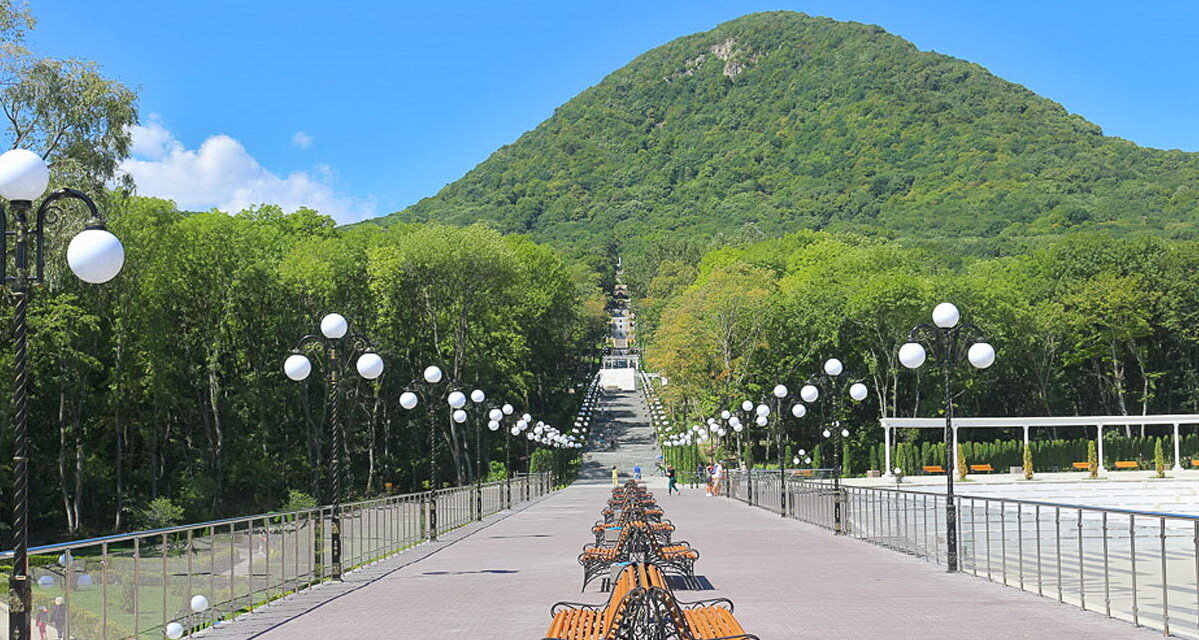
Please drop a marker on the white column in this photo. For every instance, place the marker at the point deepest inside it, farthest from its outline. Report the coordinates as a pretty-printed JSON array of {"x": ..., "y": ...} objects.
[
  {"x": 887, "y": 449},
  {"x": 1025, "y": 436},
  {"x": 1177, "y": 464},
  {"x": 1099, "y": 435}
]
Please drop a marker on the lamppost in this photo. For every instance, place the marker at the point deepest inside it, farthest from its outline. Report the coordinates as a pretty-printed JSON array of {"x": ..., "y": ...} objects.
[
  {"x": 408, "y": 400},
  {"x": 946, "y": 338},
  {"x": 798, "y": 410},
  {"x": 834, "y": 378},
  {"x": 338, "y": 346},
  {"x": 477, "y": 397},
  {"x": 95, "y": 256}
]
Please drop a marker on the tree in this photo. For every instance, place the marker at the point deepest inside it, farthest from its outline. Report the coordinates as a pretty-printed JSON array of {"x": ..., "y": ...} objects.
[
  {"x": 1027, "y": 462},
  {"x": 1092, "y": 460}
]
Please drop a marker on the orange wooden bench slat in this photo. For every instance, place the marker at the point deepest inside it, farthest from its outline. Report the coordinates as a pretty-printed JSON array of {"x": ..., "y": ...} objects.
[
  {"x": 1082, "y": 465},
  {"x": 1127, "y": 464},
  {"x": 933, "y": 468},
  {"x": 981, "y": 467}
]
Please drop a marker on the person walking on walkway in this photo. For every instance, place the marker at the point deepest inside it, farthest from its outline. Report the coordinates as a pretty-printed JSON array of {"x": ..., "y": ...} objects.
[
  {"x": 58, "y": 617},
  {"x": 615, "y": 477},
  {"x": 670, "y": 478},
  {"x": 42, "y": 619},
  {"x": 636, "y": 472},
  {"x": 717, "y": 476}
]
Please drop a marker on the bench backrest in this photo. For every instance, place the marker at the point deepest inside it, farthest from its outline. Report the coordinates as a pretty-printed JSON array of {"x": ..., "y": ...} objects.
[{"x": 620, "y": 599}]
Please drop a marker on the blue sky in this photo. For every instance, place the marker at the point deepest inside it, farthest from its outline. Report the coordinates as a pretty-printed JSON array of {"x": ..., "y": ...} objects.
[{"x": 361, "y": 108}]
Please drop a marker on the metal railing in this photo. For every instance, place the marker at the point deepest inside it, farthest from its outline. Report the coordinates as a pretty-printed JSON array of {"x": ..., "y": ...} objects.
[
  {"x": 1137, "y": 566},
  {"x": 133, "y": 585}
]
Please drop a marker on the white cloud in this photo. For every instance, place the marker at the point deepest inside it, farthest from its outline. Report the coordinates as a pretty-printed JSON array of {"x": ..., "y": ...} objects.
[
  {"x": 151, "y": 140},
  {"x": 302, "y": 140},
  {"x": 222, "y": 174}
]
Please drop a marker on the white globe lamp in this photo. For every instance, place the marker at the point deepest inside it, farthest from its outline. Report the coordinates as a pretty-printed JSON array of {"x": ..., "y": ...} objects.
[
  {"x": 95, "y": 255},
  {"x": 334, "y": 326},
  {"x": 981, "y": 355},
  {"x": 408, "y": 400},
  {"x": 370, "y": 365},
  {"x": 23, "y": 175},
  {"x": 946, "y": 316},
  {"x": 912, "y": 355},
  {"x": 297, "y": 367}
]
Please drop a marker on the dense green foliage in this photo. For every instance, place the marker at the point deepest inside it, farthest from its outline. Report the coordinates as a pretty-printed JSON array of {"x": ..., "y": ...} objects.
[
  {"x": 1083, "y": 326},
  {"x": 779, "y": 121},
  {"x": 168, "y": 382}
]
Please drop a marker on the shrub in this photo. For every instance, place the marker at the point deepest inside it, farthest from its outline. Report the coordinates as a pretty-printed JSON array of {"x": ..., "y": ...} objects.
[
  {"x": 1092, "y": 460},
  {"x": 1159, "y": 459},
  {"x": 1027, "y": 462},
  {"x": 963, "y": 464}
]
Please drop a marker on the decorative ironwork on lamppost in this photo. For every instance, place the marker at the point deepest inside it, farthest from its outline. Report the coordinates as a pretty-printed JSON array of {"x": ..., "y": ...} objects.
[
  {"x": 338, "y": 346},
  {"x": 834, "y": 378},
  {"x": 95, "y": 256},
  {"x": 947, "y": 338}
]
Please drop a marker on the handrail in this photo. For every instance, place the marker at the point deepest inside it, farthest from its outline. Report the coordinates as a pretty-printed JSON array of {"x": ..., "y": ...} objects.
[
  {"x": 1043, "y": 503},
  {"x": 183, "y": 528}
]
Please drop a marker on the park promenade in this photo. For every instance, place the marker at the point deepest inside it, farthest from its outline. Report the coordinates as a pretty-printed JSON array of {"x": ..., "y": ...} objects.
[{"x": 498, "y": 578}]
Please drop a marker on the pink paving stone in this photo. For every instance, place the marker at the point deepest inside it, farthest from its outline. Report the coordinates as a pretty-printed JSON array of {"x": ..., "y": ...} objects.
[{"x": 787, "y": 579}]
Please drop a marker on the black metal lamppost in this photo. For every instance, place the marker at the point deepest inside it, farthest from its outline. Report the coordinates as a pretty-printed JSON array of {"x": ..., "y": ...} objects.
[
  {"x": 408, "y": 400},
  {"x": 95, "y": 256},
  {"x": 798, "y": 410},
  {"x": 950, "y": 342},
  {"x": 521, "y": 426},
  {"x": 494, "y": 415},
  {"x": 338, "y": 346},
  {"x": 834, "y": 379}
]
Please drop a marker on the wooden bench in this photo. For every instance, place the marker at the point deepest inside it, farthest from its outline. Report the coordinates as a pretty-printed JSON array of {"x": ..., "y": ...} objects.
[
  {"x": 1195, "y": 463},
  {"x": 579, "y": 621},
  {"x": 981, "y": 467},
  {"x": 933, "y": 468},
  {"x": 596, "y": 559},
  {"x": 678, "y": 557},
  {"x": 662, "y": 530},
  {"x": 1127, "y": 464},
  {"x": 1082, "y": 466},
  {"x": 703, "y": 620}
]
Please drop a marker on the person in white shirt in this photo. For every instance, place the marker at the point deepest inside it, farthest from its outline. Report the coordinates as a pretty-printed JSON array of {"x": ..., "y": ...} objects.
[{"x": 717, "y": 477}]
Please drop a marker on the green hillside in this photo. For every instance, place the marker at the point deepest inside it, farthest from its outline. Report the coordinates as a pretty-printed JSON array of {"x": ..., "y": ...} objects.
[{"x": 780, "y": 121}]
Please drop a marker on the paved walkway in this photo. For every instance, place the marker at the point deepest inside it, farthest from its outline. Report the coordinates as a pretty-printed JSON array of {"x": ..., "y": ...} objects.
[{"x": 788, "y": 580}]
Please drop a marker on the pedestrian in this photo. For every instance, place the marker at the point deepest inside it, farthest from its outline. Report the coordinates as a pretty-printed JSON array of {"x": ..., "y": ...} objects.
[
  {"x": 717, "y": 476},
  {"x": 708, "y": 479},
  {"x": 615, "y": 478},
  {"x": 41, "y": 619},
  {"x": 636, "y": 472},
  {"x": 700, "y": 473},
  {"x": 670, "y": 478},
  {"x": 58, "y": 616}
]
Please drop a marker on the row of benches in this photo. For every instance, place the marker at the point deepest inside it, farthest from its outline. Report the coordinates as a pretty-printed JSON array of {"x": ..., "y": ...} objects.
[
  {"x": 1082, "y": 466},
  {"x": 641, "y": 603}
]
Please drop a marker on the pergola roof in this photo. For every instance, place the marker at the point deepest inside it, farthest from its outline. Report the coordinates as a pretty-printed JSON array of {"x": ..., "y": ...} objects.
[{"x": 1042, "y": 421}]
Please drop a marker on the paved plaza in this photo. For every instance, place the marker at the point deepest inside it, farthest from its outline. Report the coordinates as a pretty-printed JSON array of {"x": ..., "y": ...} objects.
[{"x": 788, "y": 580}]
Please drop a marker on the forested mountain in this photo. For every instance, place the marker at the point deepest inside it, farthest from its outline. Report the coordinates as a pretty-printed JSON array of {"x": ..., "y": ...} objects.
[{"x": 780, "y": 121}]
